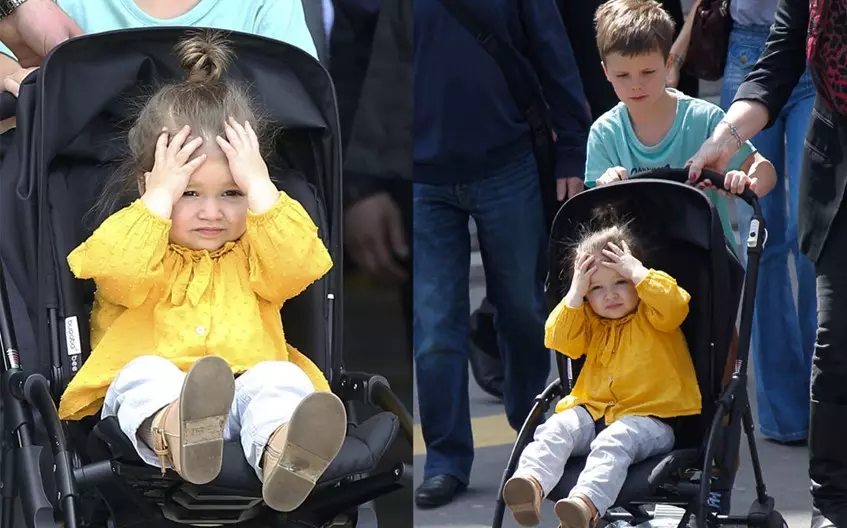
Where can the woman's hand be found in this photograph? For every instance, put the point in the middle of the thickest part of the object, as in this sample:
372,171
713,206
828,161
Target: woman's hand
172,170
249,170
623,261
35,28
584,268
612,175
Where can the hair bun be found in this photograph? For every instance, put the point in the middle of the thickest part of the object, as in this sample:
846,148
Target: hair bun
607,215
204,55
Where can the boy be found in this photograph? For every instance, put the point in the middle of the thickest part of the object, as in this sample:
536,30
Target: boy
654,126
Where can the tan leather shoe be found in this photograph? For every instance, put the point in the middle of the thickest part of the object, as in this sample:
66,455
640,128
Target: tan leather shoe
299,452
574,512
188,433
523,496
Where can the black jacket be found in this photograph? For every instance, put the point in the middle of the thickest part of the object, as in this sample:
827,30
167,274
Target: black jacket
770,83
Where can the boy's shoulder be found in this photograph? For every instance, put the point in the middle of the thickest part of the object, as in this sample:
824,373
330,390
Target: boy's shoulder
611,122
696,107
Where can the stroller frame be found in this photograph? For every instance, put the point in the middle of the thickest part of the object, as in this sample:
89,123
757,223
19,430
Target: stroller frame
51,485
694,497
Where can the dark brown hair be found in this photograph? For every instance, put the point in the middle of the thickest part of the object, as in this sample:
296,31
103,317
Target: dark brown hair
203,101
633,27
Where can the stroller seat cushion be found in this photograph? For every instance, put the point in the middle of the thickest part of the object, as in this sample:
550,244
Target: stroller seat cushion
643,478
362,449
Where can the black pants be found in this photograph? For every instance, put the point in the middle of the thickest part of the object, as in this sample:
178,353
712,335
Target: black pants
825,176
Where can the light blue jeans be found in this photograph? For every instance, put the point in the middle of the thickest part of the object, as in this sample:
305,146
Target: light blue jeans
783,331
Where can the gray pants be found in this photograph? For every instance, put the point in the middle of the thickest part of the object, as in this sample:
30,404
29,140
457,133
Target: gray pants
610,453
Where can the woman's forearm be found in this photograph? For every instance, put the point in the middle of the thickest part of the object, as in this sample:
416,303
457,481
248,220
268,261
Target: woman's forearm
742,121
679,50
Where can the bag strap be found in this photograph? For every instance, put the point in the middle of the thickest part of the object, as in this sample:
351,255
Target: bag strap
507,58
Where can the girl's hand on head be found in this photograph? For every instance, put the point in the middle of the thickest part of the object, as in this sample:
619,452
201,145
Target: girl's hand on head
172,170
736,181
584,268
623,261
249,170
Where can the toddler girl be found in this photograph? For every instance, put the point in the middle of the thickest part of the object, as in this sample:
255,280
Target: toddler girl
190,281
625,319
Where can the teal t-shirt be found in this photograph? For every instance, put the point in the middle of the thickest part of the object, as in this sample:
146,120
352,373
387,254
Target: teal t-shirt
278,19
612,143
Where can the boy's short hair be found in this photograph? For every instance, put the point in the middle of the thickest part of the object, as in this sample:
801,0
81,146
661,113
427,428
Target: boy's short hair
633,27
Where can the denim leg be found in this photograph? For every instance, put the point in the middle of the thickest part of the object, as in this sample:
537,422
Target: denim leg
778,350
441,274
508,211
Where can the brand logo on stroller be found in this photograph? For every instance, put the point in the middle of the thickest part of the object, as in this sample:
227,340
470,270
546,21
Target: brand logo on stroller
72,341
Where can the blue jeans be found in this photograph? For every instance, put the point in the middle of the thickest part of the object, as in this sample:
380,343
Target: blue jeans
783,332
507,209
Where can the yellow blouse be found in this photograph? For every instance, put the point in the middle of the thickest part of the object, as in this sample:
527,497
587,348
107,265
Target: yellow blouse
154,297
638,365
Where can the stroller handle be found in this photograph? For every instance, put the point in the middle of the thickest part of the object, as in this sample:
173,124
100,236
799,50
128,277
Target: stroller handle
8,105
716,179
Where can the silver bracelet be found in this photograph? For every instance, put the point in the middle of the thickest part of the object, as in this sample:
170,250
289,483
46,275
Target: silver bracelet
733,131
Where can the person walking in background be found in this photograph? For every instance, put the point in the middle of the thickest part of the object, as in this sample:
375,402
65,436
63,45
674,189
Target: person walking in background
783,331
474,158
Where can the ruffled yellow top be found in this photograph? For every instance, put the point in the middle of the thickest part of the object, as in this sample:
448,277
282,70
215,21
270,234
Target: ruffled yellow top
157,298
638,365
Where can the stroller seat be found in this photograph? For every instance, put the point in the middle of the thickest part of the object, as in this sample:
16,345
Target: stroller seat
642,480
362,450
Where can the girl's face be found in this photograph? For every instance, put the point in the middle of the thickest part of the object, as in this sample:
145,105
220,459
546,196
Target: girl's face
610,294
212,210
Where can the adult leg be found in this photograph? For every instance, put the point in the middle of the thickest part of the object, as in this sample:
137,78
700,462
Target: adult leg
797,124
828,425
441,272
776,347
828,420
507,208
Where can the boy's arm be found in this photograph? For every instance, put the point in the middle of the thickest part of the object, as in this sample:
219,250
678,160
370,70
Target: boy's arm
758,167
597,160
552,57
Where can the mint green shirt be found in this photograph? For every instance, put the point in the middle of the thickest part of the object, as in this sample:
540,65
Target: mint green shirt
278,19
612,143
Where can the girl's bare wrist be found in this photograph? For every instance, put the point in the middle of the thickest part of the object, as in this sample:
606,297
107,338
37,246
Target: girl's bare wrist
159,201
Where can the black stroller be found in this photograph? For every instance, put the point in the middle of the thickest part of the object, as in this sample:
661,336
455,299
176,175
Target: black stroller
69,120
681,234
